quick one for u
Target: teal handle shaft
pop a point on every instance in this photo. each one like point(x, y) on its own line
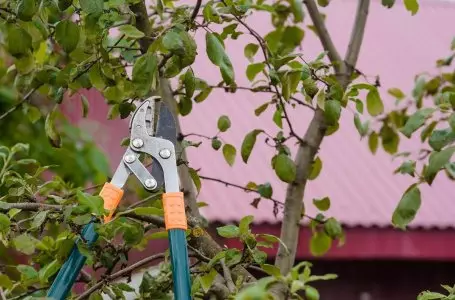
point(72, 267)
point(180, 265)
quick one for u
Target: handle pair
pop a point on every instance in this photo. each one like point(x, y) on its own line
point(175, 222)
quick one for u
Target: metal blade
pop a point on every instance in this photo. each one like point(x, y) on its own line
point(165, 129)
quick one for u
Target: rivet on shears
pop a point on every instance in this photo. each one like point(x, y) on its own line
point(150, 183)
point(138, 143)
point(165, 153)
point(129, 158)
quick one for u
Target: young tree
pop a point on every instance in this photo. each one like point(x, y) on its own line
point(52, 49)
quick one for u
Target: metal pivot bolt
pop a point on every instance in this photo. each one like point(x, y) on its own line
point(129, 158)
point(150, 183)
point(138, 143)
point(165, 153)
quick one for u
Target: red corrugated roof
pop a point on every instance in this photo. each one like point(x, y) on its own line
point(362, 187)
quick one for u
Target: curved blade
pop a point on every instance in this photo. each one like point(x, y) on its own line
point(165, 129)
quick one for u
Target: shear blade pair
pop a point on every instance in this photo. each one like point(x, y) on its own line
point(142, 125)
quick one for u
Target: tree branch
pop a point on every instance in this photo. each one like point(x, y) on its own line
point(315, 134)
point(323, 33)
point(357, 33)
point(196, 9)
point(122, 273)
point(228, 277)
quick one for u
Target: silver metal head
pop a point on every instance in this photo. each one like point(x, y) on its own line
point(156, 142)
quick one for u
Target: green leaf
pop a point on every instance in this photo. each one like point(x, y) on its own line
point(190, 83)
point(244, 224)
point(229, 153)
point(173, 42)
point(5, 282)
point(333, 228)
point(19, 41)
point(94, 7)
point(49, 270)
point(207, 280)
point(253, 69)
point(39, 219)
point(375, 106)
point(322, 204)
point(217, 55)
point(64, 4)
point(27, 272)
point(427, 295)
point(388, 3)
point(412, 6)
point(332, 111)
point(311, 293)
point(85, 106)
point(277, 117)
point(4, 223)
point(390, 139)
point(144, 73)
point(362, 128)
point(452, 121)
point(26, 9)
point(130, 31)
point(297, 10)
point(33, 114)
point(373, 142)
point(67, 35)
point(320, 243)
point(223, 123)
point(416, 121)
point(248, 143)
point(271, 270)
point(216, 143)
point(436, 162)
point(93, 203)
point(316, 168)
point(259, 256)
point(51, 131)
point(250, 51)
point(285, 168)
point(407, 167)
point(407, 208)
point(397, 93)
point(148, 211)
point(228, 231)
point(440, 138)
point(196, 179)
point(258, 111)
point(25, 243)
point(125, 287)
point(265, 190)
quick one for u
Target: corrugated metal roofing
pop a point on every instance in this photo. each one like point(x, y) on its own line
point(362, 187)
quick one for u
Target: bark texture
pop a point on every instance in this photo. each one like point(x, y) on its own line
point(316, 131)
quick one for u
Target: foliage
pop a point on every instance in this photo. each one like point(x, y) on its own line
point(51, 50)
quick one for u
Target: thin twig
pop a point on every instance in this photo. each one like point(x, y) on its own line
point(19, 104)
point(228, 277)
point(122, 273)
point(263, 89)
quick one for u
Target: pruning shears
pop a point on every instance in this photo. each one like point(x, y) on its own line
point(160, 145)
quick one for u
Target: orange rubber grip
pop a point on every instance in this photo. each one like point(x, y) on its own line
point(174, 211)
point(111, 196)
